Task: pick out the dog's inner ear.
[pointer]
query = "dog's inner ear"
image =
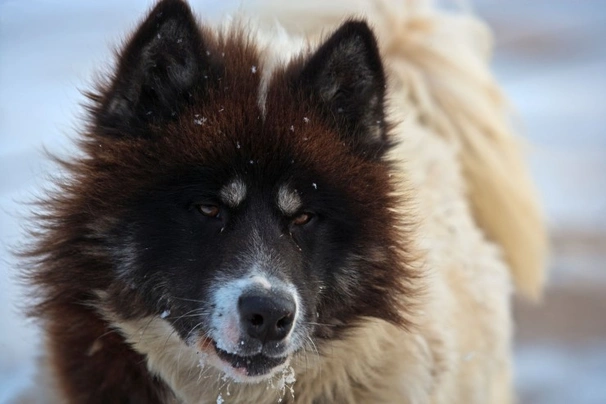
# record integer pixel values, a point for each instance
(345, 75)
(162, 66)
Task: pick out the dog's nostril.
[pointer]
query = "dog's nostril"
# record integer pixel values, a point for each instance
(256, 320)
(285, 322)
(266, 317)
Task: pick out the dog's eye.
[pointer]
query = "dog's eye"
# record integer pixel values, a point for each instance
(209, 210)
(302, 219)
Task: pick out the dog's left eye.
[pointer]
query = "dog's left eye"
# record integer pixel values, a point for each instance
(209, 210)
(302, 219)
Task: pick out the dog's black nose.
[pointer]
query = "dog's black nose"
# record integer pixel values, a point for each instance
(267, 317)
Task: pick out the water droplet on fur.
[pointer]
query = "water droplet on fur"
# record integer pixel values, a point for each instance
(286, 382)
(313, 184)
(305, 119)
(207, 53)
(238, 145)
(251, 162)
(165, 314)
(179, 40)
(199, 120)
(292, 128)
(253, 69)
(159, 36)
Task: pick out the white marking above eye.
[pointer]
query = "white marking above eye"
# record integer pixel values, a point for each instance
(289, 200)
(234, 193)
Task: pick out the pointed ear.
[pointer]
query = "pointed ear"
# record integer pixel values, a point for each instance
(157, 72)
(345, 75)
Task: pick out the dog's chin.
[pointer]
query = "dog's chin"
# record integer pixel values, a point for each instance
(243, 369)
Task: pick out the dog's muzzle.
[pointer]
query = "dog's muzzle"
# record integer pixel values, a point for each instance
(253, 322)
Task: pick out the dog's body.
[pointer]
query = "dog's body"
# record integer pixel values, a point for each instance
(228, 183)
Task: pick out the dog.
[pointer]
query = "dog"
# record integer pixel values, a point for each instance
(333, 210)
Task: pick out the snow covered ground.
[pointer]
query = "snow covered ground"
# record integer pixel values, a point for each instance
(549, 57)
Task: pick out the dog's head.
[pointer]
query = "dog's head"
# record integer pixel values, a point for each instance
(252, 211)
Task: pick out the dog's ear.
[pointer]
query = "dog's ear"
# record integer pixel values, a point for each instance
(345, 75)
(158, 71)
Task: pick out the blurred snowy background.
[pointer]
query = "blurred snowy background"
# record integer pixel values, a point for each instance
(551, 58)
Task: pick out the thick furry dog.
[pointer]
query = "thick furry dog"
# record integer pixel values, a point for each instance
(258, 219)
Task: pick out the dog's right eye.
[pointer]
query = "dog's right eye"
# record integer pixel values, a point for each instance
(302, 219)
(208, 210)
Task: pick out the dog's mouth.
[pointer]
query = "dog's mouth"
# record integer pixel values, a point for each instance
(255, 365)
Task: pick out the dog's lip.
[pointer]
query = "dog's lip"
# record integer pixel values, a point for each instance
(255, 365)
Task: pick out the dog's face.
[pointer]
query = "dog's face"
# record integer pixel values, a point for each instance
(241, 261)
(253, 216)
